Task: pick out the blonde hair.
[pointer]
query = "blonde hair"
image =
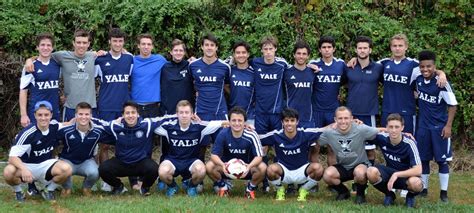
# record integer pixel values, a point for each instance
(400, 36)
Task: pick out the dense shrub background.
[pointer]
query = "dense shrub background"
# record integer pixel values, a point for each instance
(444, 27)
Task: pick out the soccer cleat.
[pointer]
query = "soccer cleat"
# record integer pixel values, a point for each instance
(343, 196)
(424, 193)
(145, 191)
(443, 196)
(291, 189)
(360, 199)
(19, 197)
(119, 190)
(410, 201)
(389, 199)
(280, 194)
(171, 191)
(223, 192)
(250, 194)
(199, 187)
(265, 186)
(48, 195)
(32, 190)
(302, 193)
(192, 191)
(161, 186)
(106, 187)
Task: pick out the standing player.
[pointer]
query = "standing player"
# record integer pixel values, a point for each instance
(113, 70)
(237, 142)
(242, 81)
(291, 146)
(403, 165)
(185, 144)
(31, 156)
(348, 143)
(327, 85)
(435, 124)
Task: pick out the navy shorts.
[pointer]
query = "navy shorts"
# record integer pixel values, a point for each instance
(431, 145)
(306, 124)
(322, 119)
(386, 174)
(109, 115)
(346, 174)
(182, 167)
(265, 123)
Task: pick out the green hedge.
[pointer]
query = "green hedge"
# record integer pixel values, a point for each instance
(441, 26)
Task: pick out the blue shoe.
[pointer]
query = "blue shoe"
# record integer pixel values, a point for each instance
(388, 200)
(171, 191)
(161, 186)
(19, 197)
(410, 201)
(192, 192)
(48, 195)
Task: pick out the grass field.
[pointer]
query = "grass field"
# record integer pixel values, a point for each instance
(461, 194)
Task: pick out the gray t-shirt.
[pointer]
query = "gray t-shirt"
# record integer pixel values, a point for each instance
(349, 148)
(79, 77)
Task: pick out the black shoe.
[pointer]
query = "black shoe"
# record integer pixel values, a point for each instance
(410, 201)
(19, 197)
(265, 187)
(291, 189)
(424, 193)
(145, 191)
(343, 196)
(48, 195)
(443, 195)
(32, 190)
(360, 199)
(118, 190)
(332, 189)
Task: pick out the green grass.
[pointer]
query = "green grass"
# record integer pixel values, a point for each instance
(461, 194)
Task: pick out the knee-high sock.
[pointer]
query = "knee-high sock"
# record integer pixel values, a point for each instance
(309, 184)
(443, 175)
(425, 174)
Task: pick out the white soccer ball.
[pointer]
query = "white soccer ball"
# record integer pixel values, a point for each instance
(235, 168)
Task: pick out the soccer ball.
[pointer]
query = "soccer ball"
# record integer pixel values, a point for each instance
(235, 168)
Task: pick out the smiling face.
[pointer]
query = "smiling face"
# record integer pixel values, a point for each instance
(81, 44)
(289, 125)
(116, 44)
(427, 68)
(145, 46)
(394, 128)
(343, 120)
(237, 122)
(130, 114)
(177, 53)
(301, 56)
(43, 117)
(45, 48)
(209, 48)
(83, 117)
(241, 55)
(184, 114)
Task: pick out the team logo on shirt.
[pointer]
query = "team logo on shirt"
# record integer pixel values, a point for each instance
(259, 69)
(81, 65)
(121, 133)
(183, 73)
(238, 151)
(72, 137)
(391, 157)
(38, 143)
(43, 151)
(199, 71)
(139, 134)
(233, 76)
(345, 145)
(387, 67)
(281, 145)
(39, 71)
(47, 84)
(293, 77)
(174, 133)
(107, 64)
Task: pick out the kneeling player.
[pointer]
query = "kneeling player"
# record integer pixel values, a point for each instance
(185, 140)
(31, 157)
(403, 165)
(292, 150)
(239, 143)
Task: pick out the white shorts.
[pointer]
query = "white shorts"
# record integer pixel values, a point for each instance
(297, 176)
(38, 170)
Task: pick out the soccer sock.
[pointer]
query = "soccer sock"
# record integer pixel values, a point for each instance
(425, 165)
(17, 188)
(443, 175)
(309, 184)
(52, 186)
(251, 187)
(341, 188)
(276, 183)
(361, 189)
(221, 183)
(382, 187)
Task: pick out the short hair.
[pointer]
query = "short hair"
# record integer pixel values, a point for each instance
(43, 36)
(395, 117)
(241, 43)
(289, 113)
(82, 33)
(210, 37)
(117, 33)
(269, 40)
(83, 105)
(184, 103)
(144, 35)
(326, 39)
(129, 104)
(427, 55)
(177, 42)
(238, 111)
(364, 39)
(300, 44)
(342, 108)
(400, 36)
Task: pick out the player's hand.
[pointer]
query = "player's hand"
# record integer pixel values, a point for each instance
(192, 58)
(358, 122)
(29, 66)
(70, 122)
(415, 94)
(25, 120)
(407, 134)
(100, 53)
(226, 164)
(118, 120)
(249, 127)
(392, 181)
(446, 132)
(26, 176)
(247, 170)
(314, 67)
(225, 124)
(442, 79)
(195, 118)
(352, 63)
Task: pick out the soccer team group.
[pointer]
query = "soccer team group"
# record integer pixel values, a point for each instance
(241, 108)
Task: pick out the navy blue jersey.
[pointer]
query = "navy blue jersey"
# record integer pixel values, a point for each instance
(433, 102)
(176, 85)
(113, 73)
(242, 88)
(292, 153)
(299, 90)
(43, 85)
(328, 81)
(209, 81)
(186, 143)
(398, 85)
(402, 156)
(79, 148)
(245, 148)
(362, 94)
(268, 85)
(34, 146)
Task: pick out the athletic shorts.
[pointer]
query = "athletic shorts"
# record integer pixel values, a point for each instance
(386, 174)
(265, 123)
(345, 174)
(322, 119)
(297, 176)
(431, 145)
(109, 115)
(410, 122)
(182, 167)
(368, 120)
(306, 124)
(38, 170)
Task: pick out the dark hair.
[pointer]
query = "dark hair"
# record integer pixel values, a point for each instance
(130, 104)
(365, 39)
(210, 37)
(117, 33)
(269, 40)
(241, 43)
(238, 111)
(43, 36)
(82, 33)
(395, 117)
(83, 105)
(326, 39)
(300, 44)
(426, 55)
(289, 113)
(144, 35)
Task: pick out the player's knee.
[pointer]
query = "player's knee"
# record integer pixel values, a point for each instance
(62, 168)
(330, 174)
(199, 170)
(360, 172)
(92, 173)
(373, 174)
(165, 170)
(272, 172)
(262, 167)
(9, 172)
(415, 184)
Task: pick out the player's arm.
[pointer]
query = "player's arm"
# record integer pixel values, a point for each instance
(442, 78)
(29, 66)
(412, 172)
(217, 160)
(24, 119)
(14, 159)
(446, 133)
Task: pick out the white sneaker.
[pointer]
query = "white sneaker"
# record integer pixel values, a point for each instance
(106, 187)
(403, 193)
